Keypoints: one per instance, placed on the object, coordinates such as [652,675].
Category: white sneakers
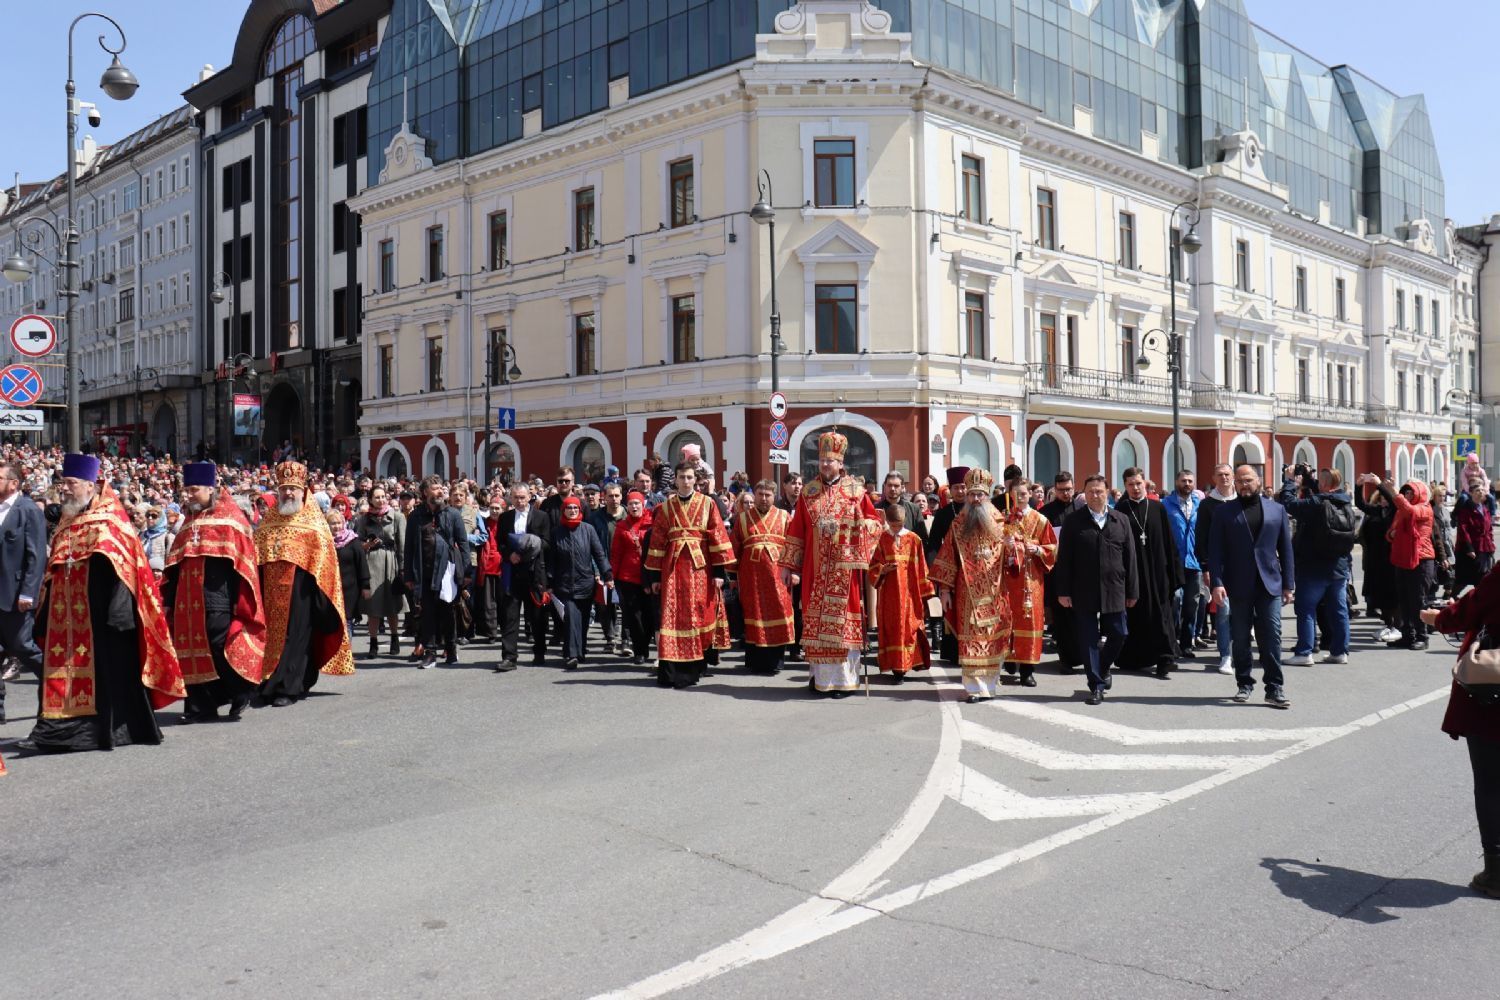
[1301,660]
[1226,664]
[1388,634]
[1336,658]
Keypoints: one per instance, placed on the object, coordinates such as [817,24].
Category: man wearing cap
[829,543]
[299,577]
[211,589]
[108,659]
[942,521]
[970,575]
[759,535]
[686,561]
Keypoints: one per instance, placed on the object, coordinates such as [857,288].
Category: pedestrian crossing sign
[1465,445]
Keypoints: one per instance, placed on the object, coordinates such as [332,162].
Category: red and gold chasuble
[1025,578]
[687,538]
[829,543]
[899,569]
[972,564]
[284,545]
[68,680]
[220,532]
[758,540]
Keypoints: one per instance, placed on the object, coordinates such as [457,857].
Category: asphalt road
[460,833]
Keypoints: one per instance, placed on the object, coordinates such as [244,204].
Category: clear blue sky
[170,40]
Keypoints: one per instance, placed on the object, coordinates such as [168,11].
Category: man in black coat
[1060,618]
[23,558]
[524,577]
[942,521]
[436,544]
[1152,639]
[1096,577]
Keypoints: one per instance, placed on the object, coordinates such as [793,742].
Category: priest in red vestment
[1031,552]
[108,659]
[759,535]
[299,576]
[899,572]
[828,547]
[969,572]
[211,589]
[687,559]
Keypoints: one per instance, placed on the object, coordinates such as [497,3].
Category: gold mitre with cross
[291,474]
[979,479]
[832,444]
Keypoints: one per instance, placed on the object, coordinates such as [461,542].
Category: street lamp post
[17,268]
[1188,243]
[120,84]
[138,376]
[764,213]
[508,371]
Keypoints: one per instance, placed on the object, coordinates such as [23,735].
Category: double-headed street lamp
[508,372]
[1188,243]
[138,376]
[764,213]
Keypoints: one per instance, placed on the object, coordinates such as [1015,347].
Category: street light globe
[1142,362]
[1191,243]
[217,297]
[118,82]
[16,268]
[762,213]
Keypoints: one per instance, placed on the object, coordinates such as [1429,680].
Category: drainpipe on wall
[467,457]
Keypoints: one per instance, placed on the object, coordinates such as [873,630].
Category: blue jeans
[1185,602]
[1261,611]
[1223,634]
[1321,596]
[1096,661]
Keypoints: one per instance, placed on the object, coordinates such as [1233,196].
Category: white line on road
[1130,736]
[814,920]
[1063,760]
[997,802]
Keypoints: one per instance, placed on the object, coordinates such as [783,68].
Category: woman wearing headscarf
[382,534]
[354,568]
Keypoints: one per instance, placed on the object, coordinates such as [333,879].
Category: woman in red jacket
[1478,721]
[1412,555]
[626,550]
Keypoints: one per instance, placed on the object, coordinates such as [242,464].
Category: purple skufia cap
[200,474]
[81,467]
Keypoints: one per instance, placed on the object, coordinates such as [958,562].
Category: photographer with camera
[1325,536]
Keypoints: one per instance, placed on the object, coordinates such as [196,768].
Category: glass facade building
[465,72]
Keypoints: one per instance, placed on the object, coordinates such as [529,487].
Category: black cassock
[1152,641]
[122,706]
[309,612]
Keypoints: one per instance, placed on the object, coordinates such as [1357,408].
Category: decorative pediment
[837,243]
[844,30]
[1055,284]
[1248,317]
[1420,236]
[405,155]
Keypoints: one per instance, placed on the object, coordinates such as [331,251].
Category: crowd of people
[129,584]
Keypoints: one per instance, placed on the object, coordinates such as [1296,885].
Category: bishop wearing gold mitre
[299,578]
[829,543]
[108,660]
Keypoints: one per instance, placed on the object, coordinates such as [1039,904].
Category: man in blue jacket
[1256,580]
[23,558]
[1182,515]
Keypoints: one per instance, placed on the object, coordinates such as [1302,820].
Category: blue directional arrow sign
[20,385]
[506,418]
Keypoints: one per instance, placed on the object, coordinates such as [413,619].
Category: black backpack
[1339,529]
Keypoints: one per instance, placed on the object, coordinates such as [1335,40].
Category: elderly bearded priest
[829,543]
[211,588]
[299,576]
[108,659]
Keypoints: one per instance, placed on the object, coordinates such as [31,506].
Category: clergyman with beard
[211,589]
[299,577]
[970,575]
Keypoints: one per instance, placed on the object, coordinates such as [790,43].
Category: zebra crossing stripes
[1053,759]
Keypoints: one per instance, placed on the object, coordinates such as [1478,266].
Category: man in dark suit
[23,558]
[1255,587]
[526,576]
[435,541]
[1096,576]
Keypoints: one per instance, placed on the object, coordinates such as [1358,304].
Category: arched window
[1343,461]
[436,461]
[393,466]
[1304,455]
[673,454]
[587,460]
[293,43]
[859,460]
[974,450]
[1419,470]
[500,461]
[1126,456]
[1046,461]
[1403,467]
